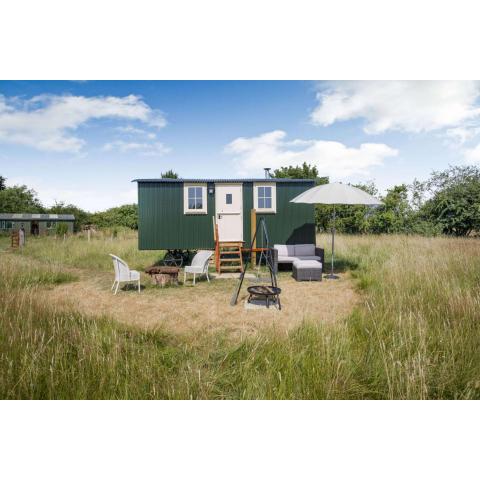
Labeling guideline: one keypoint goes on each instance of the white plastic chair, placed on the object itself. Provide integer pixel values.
(199, 265)
(123, 273)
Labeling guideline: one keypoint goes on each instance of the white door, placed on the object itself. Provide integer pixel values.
(229, 211)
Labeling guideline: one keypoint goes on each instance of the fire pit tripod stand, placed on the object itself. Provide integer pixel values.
(268, 292)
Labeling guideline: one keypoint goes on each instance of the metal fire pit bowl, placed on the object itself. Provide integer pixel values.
(265, 292)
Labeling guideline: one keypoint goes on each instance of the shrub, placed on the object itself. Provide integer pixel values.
(61, 229)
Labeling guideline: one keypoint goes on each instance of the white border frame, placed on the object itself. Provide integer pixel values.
(186, 210)
(274, 197)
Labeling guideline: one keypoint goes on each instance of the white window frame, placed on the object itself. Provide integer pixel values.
(274, 197)
(195, 211)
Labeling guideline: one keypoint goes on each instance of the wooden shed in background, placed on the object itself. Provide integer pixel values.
(34, 223)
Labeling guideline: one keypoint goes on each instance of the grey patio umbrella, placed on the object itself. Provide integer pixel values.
(336, 194)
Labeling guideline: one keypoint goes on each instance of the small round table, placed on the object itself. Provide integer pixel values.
(265, 291)
(163, 275)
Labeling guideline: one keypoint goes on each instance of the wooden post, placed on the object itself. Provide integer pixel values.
(88, 234)
(253, 227)
(217, 250)
(215, 239)
(15, 239)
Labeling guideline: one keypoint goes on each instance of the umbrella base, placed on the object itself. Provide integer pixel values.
(331, 276)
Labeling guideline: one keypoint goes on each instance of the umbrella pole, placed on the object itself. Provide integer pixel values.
(331, 275)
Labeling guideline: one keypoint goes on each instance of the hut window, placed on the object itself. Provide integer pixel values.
(5, 224)
(265, 197)
(195, 198)
(228, 199)
(195, 201)
(51, 225)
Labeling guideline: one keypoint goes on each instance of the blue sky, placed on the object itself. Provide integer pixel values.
(83, 142)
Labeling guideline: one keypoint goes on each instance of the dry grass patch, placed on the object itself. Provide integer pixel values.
(205, 307)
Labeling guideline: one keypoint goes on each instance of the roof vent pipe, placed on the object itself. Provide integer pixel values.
(267, 172)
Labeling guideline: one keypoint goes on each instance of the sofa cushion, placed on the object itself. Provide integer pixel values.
(309, 257)
(285, 250)
(304, 250)
(286, 259)
(299, 264)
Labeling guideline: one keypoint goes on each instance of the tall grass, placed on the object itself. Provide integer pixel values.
(77, 251)
(415, 335)
(418, 335)
(22, 273)
(48, 353)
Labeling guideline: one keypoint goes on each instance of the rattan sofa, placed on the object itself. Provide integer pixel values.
(287, 254)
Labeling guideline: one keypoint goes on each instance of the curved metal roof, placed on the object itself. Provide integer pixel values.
(222, 180)
(18, 217)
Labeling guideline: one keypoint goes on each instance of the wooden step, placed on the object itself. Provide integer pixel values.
(229, 256)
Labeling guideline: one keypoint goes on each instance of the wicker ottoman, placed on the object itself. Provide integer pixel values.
(307, 270)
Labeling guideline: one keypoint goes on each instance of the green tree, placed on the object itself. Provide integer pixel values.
(123, 216)
(300, 172)
(395, 215)
(19, 199)
(61, 229)
(81, 216)
(452, 176)
(417, 191)
(454, 203)
(169, 174)
(349, 218)
(3, 185)
(308, 171)
(456, 208)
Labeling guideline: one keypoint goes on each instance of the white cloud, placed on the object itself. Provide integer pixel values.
(472, 155)
(460, 135)
(47, 122)
(410, 106)
(331, 158)
(148, 149)
(131, 130)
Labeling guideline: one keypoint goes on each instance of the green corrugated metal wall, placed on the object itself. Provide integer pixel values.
(163, 225)
(293, 222)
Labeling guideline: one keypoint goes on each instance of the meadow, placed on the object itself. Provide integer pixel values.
(413, 333)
